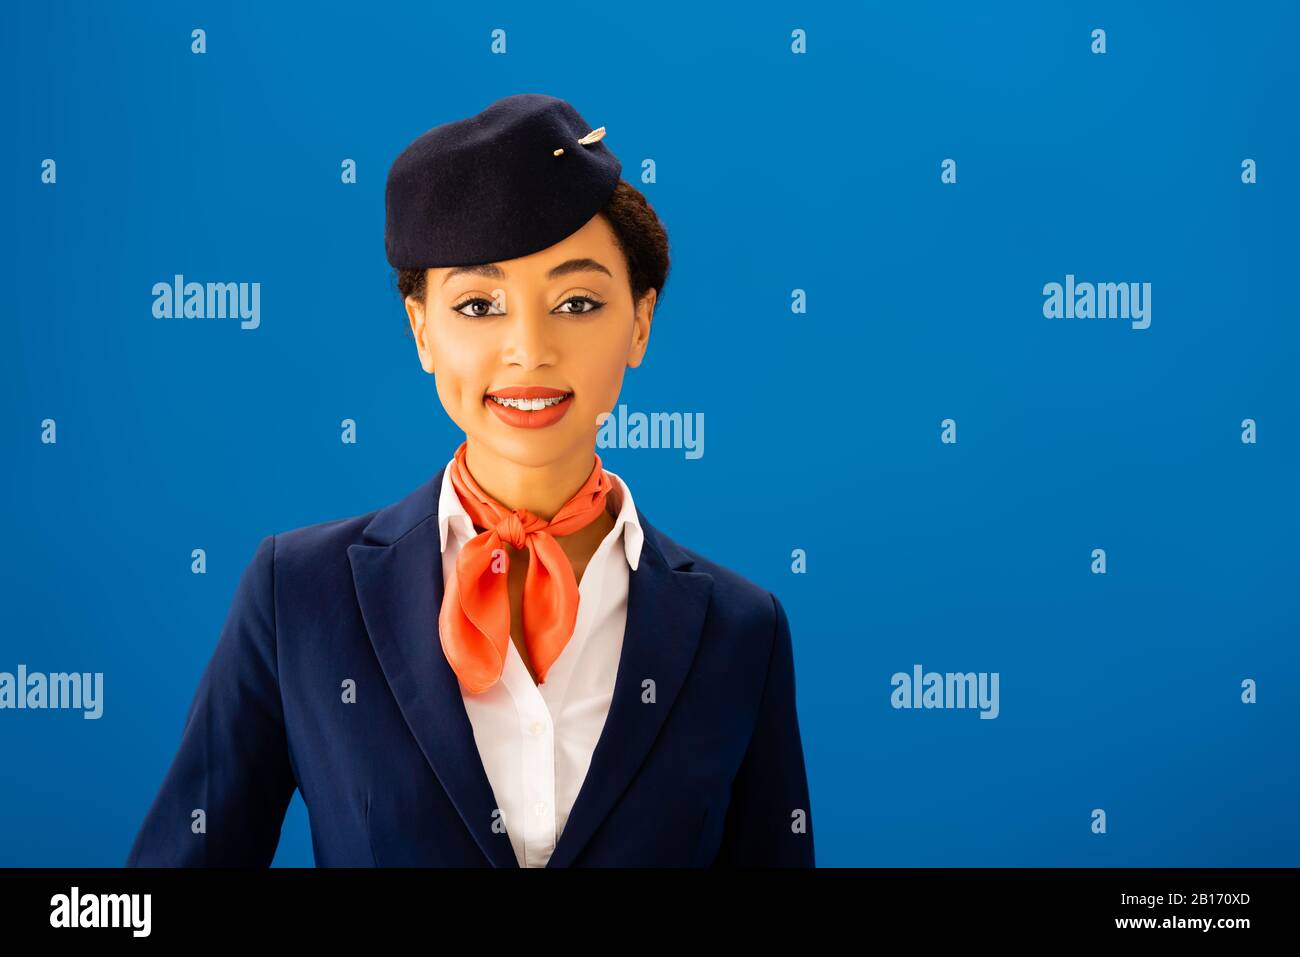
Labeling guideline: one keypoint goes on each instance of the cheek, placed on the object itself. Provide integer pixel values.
(603, 362)
(460, 362)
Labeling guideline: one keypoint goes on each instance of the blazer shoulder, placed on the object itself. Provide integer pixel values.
(738, 601)
(313, 555)
(329, 535)
(312, 567)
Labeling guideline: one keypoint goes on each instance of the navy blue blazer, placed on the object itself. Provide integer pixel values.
(699, 762)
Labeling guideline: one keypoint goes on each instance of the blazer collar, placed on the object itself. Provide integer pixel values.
(397, 572)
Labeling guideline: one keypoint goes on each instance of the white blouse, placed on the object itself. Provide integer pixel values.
(536, 741)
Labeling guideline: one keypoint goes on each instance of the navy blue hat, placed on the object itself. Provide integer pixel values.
(518, 177)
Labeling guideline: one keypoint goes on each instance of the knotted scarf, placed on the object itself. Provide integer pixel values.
(474, 621)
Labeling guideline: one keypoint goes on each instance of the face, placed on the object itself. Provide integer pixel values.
(562, 319)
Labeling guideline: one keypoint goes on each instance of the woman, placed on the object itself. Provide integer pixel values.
(509, 666)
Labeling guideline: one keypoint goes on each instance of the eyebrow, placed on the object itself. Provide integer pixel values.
(493, 271)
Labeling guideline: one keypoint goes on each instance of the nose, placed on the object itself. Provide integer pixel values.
(528, 336)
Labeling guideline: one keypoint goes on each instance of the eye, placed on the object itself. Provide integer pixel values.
(476, 301)
(594, 305)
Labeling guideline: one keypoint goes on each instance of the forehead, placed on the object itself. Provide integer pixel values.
(592, 250)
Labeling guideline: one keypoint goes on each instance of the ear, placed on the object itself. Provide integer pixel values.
(415, 314)
(644, 316)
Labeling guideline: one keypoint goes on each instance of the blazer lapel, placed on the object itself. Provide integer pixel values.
(398, 579)
(666, 605)
(399, 587)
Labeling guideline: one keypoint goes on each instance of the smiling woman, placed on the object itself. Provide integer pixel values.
(510, 666)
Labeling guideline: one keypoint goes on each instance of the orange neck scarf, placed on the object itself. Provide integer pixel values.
(474, 621)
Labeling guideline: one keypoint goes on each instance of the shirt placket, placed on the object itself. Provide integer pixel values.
(537, 733)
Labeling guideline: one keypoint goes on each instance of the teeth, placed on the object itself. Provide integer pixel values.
(528, 405)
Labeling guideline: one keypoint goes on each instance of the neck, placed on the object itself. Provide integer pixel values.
(542, 489)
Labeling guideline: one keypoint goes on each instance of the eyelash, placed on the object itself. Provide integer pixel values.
(597, 305)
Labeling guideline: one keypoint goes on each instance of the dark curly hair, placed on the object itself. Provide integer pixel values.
(638, 230)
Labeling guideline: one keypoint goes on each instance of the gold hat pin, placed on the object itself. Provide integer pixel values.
(592, 137)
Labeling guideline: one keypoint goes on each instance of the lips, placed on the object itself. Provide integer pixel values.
(529, 418)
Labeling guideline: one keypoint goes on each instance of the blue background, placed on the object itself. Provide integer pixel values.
(775, 172)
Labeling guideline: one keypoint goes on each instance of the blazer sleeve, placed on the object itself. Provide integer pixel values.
(769, 821)
(233, 761)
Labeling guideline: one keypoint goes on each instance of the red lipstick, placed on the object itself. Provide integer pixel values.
(526, 418)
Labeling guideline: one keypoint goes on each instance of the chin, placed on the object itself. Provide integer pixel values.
(526, 447)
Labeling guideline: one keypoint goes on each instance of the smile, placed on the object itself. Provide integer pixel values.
(529, 413)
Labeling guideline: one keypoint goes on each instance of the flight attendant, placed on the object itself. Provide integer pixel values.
(510, 666)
